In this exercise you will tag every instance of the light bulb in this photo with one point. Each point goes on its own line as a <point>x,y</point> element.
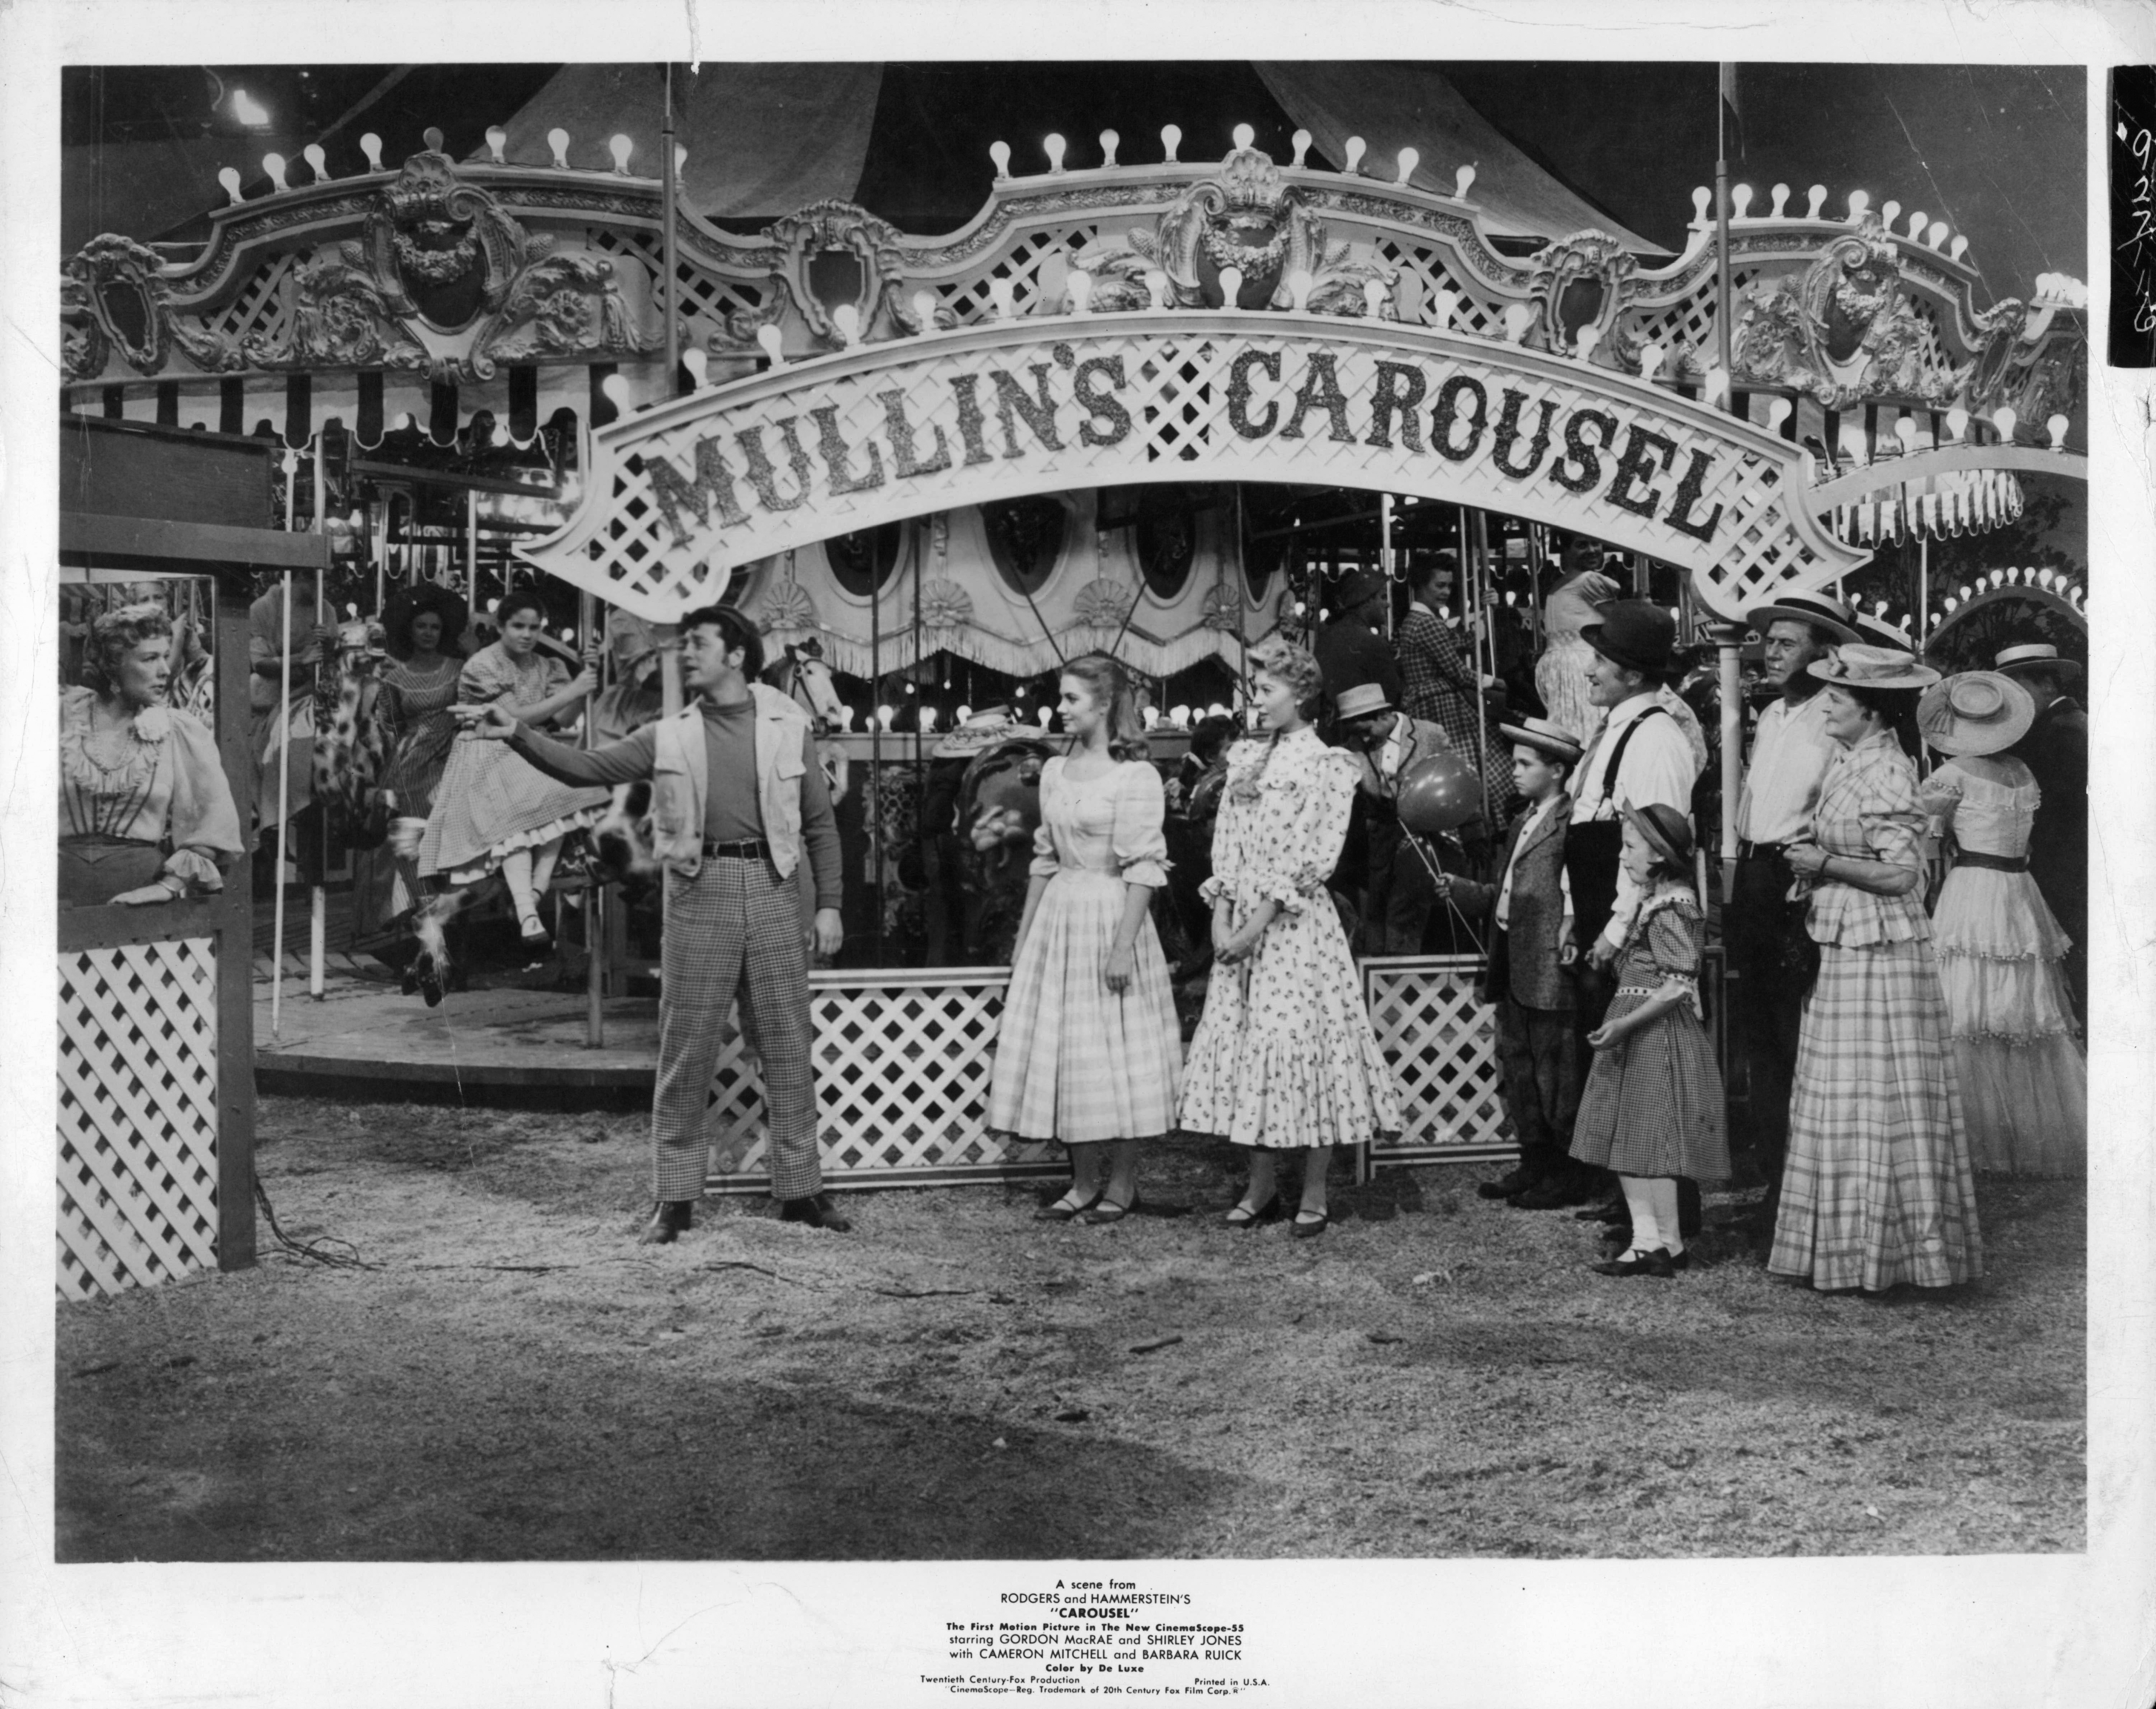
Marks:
<point>1151,715</point>
<point>885,714</point>
<point>1044,714</point>
<point>927,718</point>
<point>1179,716</point>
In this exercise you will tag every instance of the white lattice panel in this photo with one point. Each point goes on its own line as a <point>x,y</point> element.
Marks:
<point>823,447</point>
<point>1688,324</point>
<point>1427,262</point>
<point>970,299</point>
<point>138,1117</point>
<point>1442,1046</point>
<point>261,307</point>
<point>902,1070</point>
<point>705,299</point>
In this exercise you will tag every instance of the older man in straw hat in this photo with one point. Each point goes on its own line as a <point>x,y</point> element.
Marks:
<point>2056,749</point>
<point>1770,953</point>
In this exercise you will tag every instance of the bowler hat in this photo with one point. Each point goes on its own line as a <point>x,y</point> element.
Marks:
<point>2035,656</point>
<point>1545,738</point>
<point>1667,831</point>
<point>1977,711</point>
<point>1362,701</point>
<point>1636,634</point>
<point>1355,589</point>
<point>1823,609</point>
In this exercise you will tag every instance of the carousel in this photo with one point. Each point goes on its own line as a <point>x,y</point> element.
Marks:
<point>1141,403</point>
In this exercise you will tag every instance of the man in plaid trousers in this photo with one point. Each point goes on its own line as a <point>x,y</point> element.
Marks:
<point>738,796</point>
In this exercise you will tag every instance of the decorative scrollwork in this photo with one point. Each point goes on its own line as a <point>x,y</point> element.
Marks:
<point>946,604</point>
<point>1842,332</point>
<point>819,229</point>
<point>1103,603</point>
<point>117,284</point>
<point>1250,220</point>
<point>1578,283</point>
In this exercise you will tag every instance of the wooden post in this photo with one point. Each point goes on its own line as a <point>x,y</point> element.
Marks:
<point>235,941</point>
<point>1728,640</point>
<point>284,750</point>
<point>318,895</point>
<point>594,897</point>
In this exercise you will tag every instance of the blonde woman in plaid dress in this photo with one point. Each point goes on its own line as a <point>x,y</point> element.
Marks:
<point>1877,1189</point>
<point>1283,1058</point>
<point>1089,1048</point>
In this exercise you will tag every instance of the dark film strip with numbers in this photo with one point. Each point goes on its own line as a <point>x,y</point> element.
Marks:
<point>2134,216</point>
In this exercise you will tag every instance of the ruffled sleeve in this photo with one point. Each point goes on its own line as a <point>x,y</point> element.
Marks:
<point>1940,795</point>
<point>1673,940</point>
<point>1239,800</point>
<point>1892,819</point>
<point>204,822</point>
<point>1045,861</point>
<point>487,675</point>
<point>1138,840</point>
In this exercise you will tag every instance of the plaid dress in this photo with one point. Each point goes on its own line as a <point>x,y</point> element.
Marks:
<point>1877,1189</point>
<point>1075,1060</point>
<point>1284,1055</point>
<point>1653,1104</point>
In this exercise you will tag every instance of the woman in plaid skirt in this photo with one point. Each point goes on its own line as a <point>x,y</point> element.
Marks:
<point>1651,1111</point>
<point>1877,1189</point>
<point>1089,1048</point>
<point>1283,1058</point>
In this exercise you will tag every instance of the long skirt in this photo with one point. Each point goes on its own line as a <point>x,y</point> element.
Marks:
<point>1075,1060</point>
<point>1284,1055</point>
<point>2024,1081</point>
<point>1653,1104</point>
<point>1877,1189</point>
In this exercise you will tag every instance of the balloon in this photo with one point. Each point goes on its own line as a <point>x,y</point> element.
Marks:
<point>1440,794</point>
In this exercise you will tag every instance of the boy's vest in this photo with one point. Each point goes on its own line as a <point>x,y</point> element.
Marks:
<point>679,778</point>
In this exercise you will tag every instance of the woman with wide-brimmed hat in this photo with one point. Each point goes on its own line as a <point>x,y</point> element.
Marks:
<point>2001,953</point>
<point>1877,1189</point>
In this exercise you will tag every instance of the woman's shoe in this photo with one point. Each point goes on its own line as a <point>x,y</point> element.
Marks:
<point>535,934</point>
<point>1656,1263</point>
<point>1105,1212</point>
<point>1062,1210</point>
<point>1243,1217</point>
<point>1311,1228</point>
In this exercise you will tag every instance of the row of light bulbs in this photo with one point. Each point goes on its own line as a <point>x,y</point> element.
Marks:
<point>2049,581</point>
<point>1177,716</point>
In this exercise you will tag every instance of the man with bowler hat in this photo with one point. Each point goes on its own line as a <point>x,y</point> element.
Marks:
<point>1352,648</point>
<point>1639,758</point>
<point>2056,750</point>
<point>1770,951</point>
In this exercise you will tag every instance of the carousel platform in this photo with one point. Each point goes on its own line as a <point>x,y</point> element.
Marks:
<point>514,1040</point>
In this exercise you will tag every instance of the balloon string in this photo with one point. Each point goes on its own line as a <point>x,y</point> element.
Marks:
<point>1430,866</point>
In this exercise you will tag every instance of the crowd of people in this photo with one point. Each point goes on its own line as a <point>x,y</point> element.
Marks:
<point>1892,1041</point>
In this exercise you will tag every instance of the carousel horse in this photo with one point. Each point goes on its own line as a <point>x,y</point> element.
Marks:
<point>801,673</point>
<point>331,739</point>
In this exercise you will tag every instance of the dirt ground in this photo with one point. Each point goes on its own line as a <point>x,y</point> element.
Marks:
<point>511,1378</point>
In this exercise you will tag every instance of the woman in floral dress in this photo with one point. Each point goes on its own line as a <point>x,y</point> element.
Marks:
<point>1089,1048</point>
<point>1877,1189</point>
<point>412,698</point>
<point>492,812</point>
<point>1283,1058</point>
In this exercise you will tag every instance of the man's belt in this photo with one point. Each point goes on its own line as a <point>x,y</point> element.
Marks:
<point>754,848</point>
<point>1997,863</point>
<point>1758,850</point>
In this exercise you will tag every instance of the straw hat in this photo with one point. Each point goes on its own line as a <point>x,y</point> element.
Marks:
<point>1545,738</point>
<point>1667,831</point>
<point>2036,653</point>
<point>1856,665</point>
<point>1977,711</point>
<point>1364,700</point>
<point>1822,609</point>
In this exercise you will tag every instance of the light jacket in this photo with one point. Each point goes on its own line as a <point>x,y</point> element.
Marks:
<point>678,779</point>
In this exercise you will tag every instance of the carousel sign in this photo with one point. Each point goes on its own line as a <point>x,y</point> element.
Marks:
<point>687,490</point>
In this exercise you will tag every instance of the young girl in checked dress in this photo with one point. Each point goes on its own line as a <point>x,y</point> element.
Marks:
<point>1652,1107</point>
<point>1283,1058</point>
<point>1090,1046</point>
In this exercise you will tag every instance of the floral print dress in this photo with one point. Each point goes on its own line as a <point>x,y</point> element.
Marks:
<point>1284,1055</point>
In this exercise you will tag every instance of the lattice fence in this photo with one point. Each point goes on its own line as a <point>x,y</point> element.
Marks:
<point>971,298</point>
<point>1429,264</point>
<point>706,298</point>
<point>845,443</point>
<point>138,1119</point>
<point>261,308</point>
<point>902,1063</point>
<point>1442,1046</point>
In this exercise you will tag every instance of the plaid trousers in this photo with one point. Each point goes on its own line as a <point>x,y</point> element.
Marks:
<point>734,930</point>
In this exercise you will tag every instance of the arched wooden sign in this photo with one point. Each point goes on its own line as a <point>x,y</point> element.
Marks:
<point>685,490</point>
